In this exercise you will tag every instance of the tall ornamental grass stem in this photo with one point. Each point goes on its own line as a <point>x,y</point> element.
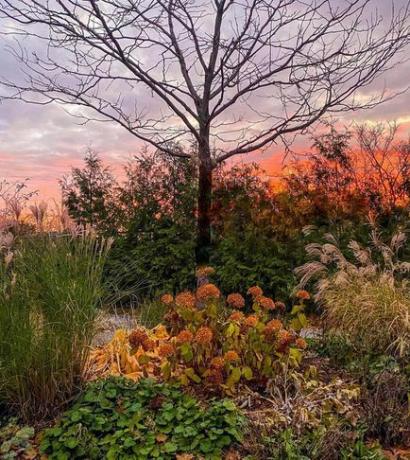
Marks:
<point>49,299</point>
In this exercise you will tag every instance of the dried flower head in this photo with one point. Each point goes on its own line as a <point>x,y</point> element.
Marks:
<point>237,316</point>
<point>137,337</point>
<point>251,321</point>
<point>235,300</point>
<point>218,362</point>
<point>255,291</point>
<point>167,299</point>
<point>204,335</point>
<point>231,356</point>
<point>185,299</point>
<point>184,336</point>
<point>303,295</point>
<point>166,350</point>
<point>215,377</point>
<point>204,272</point>
<point>275,324</point>
<point>266,303</point>
<point>285,338</point>
<point>207,291</point>
<point>301,343</point>
<point>280,305</point>
<point>148,345</point>
<point>172,317</point>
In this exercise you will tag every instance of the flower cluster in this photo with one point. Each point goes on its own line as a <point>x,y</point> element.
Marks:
<point>185,299</point>
<point>207,291</point>
<point>235,301</point>
<point>213,341</point>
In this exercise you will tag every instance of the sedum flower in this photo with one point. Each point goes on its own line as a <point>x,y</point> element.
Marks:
<point>218,362</point>
<point>148,344</point>
<point>231,356</point>
<point>167,299</point>
<point>185,299</point>
<point>280,306</point>
<point>204,335</point>
<point>215,377</point>
<point>301,343</point>
<point>184,336</point>
<point>266,303</point>
<point>285,338</point>
<point>235,300</point>
<point>165,350</point>
<point>255,291</point>
<point>208,291</point>
<point>251,321</point>
<point>272,327</point>
<point>275,325</point>
<point>237,316</point>
<point>303,295</point>
<point>204,272</point>
<point>137,337</point>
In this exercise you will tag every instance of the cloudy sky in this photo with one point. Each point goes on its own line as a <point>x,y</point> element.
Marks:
<point>43,142</point>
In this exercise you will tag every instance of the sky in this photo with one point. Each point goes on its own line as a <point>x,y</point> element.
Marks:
<point>44,142</point>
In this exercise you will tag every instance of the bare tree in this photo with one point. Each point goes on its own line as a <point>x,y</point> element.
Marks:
<point>226,76</point>
<point>385,163</point>
<point>13,199</point>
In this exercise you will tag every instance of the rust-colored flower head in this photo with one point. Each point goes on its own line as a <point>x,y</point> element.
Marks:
<point>185,299</point>
<point>235,300</point>
<point>204,335</point>
<point>271,329</point>
<point>303,295</point>
<point>204,272</point>
<point>166,350</point>
<point>207,291</point>
<point>215,377</point>
<point>301,343</point>
<point>266,303</point>
<point>137,337</point>
<point>148,344</point>
<point>285,338</point>
<point>172,317</point>
<point>231,356</point>
<point>255,291</point>
<point>167,299</point>
<point>275,325</point>
<point>280,306</point>
<point>184,336</point>
<point>237,316</point>
<point>251,321</point>
<point>218,362</point>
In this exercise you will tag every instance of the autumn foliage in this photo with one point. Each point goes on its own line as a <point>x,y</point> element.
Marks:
<point>206,339</point>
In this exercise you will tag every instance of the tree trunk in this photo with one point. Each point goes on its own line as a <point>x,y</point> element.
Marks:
<point>203,244</point>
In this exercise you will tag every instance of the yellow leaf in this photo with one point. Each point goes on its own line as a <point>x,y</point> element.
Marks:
<point>161,437</point>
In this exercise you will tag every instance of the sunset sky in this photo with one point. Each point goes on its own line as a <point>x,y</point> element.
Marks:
<point>43,142</point>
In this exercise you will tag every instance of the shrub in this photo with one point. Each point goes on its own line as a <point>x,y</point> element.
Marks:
<point>305,417</point>
<point>367,300</point>
<point>320,444</point>
<point>117,418</point>
<point>49,296</point>
<point>208,341</point>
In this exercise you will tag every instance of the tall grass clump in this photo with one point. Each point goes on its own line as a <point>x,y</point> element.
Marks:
<point>366,294</point>
<point>50,292</point>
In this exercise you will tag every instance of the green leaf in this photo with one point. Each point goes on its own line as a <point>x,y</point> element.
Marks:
<point>192,375</point>
<point>186,352</point>
<point>247,373</point>
<point>233,377</point>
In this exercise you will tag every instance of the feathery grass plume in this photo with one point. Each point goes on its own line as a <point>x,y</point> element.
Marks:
<point>366,299</point>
